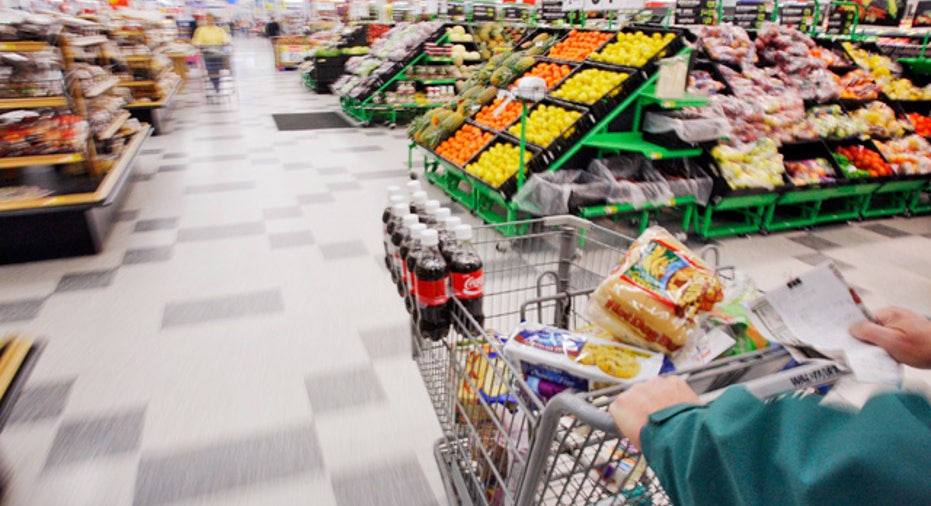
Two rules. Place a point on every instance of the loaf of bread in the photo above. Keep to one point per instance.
(654, 297)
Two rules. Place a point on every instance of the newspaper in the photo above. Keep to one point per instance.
(814, 311)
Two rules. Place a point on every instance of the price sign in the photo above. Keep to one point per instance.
(483, 12)
(749, 14)
(399, 15)
(695, 12)
(611, 5)
(552, 10)
(840, 21)
(456, 9)
(516, 12)
(800, 15)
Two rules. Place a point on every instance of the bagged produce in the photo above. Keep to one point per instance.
(562, 191)
(728, 43)
(656, 296)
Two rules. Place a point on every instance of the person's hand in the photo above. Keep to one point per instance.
(633, 407)
(904, 334)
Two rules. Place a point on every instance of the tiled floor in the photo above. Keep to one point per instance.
(236, 343)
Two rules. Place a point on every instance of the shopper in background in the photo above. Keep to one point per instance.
(213, 41)
(741, 450)
(272, 29)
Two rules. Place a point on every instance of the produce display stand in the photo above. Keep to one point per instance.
(364, 110)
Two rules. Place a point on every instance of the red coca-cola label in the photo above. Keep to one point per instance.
(432, 293)
(411, 284)
(470, 285)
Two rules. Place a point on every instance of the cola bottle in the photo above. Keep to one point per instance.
(418, 203)
(412, 188)
(429, 213)
(400, 232)
(393, 199)
(414, 253)
(431, 280)
(412, 235)
(442, 214)
(467, 275)
(398, 211)
(448, 240)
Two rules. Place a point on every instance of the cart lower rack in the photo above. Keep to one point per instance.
(501, 444)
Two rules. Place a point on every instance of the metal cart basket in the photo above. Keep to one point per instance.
(218, 75)
(501, 444)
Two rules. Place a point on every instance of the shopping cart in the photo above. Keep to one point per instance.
(218, 76)
(501, 444)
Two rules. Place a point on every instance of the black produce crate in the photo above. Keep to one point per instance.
(721, 188)
(672, 48)
(326, 71)
(535, 164)
(833, 144)
(601, 107)
(809, 150)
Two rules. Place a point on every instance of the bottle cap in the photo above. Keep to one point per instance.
(399, 210)
(416, 229)
(442, 214)
(409, 219)
(412, 187)
(419, 197)
(431, 207)
(396, 199)
(429, 238)
(393, 190)
(464, 232)
(452, 222)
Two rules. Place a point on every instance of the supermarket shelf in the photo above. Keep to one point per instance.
(27, 161)
(19, 356)
(134, 84)
(102, 87)
(23, 46)
(157, 104)
(648, 97)
(32, 103)
(150, 112)
(137, 57)
(432, 81)
(87, 41)
(633, 142)
(114, 125)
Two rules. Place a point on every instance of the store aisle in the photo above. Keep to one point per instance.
(238, 342)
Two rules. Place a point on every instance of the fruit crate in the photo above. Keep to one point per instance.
(542, 59)
(566, 36)
(837, 48)
(671, 48)
(536, 163)
(833, 144)
(610, 100)
(568, 136)
(481, 127)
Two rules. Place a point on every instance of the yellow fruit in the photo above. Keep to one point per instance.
(545, 123)
(633, 49)
(589, 85)
(498, 163)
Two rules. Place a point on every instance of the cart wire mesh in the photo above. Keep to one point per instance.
(501, 443)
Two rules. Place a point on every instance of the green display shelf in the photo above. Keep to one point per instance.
(433, 81)
(633, 142)
(751, 209)
(648, 97)
(686, 203)
(891, 198)
(921, 201)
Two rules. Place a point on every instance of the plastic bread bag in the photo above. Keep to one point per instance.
(656, 296)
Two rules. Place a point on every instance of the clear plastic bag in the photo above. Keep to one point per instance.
(691, 130)
(636, 182)
(562, 192)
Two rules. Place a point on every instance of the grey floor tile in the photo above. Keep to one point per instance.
(357, 149)
(220, 231)
(41, 401)
(399, 483)
(819, 258)
(154, 224)
(223, 308)
(291, 239)
(315, 198)
(330, 171)
(375, 133)
(236, 137)
(885, 230)
(85, 280)
(280, 213)
(113, 434)
(197, 472)
(381, 174)
(263, 149)
(390, 341)
(140, 178)
(220, 187)
(343, 389)
(265, 161)
(814, 242)
(20, 310)
(147, 255)
(344, 186)
(172, 168)
(151, 151)
(127, 215)
(346, 249)
(221, 158)
(173, 156)
(297, 166)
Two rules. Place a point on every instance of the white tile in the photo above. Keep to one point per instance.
(295, 491)
(102, 481)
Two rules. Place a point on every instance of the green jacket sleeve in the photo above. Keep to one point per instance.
(740, 450)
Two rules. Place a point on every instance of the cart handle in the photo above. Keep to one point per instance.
(810, 374)
(556, 296)
(567, 220)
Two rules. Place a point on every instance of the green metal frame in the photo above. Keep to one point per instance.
(805, 207)
(687, 203)
(915, 206)
(751, 208)
(891, 198)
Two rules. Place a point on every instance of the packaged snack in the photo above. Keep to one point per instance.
(654, 298)
(579, 361)
(485, 380)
